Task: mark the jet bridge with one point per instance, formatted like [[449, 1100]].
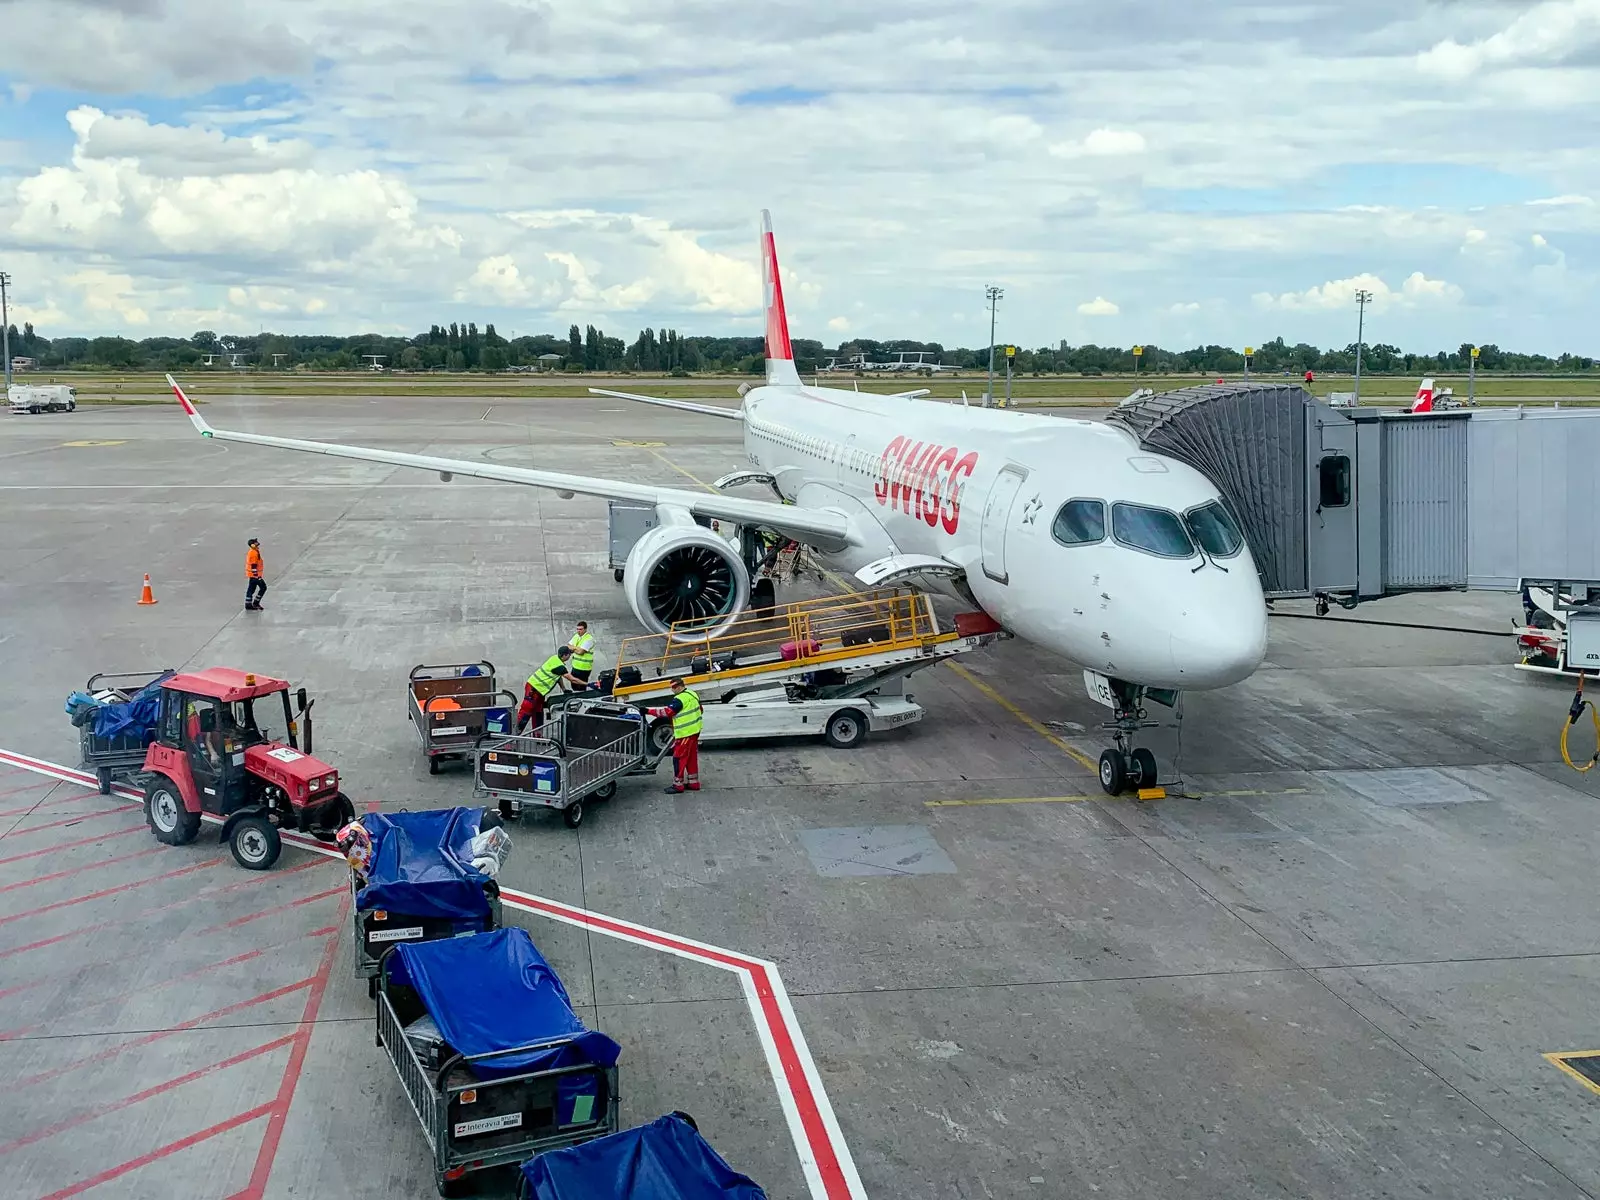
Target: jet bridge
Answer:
[[1354, 504]]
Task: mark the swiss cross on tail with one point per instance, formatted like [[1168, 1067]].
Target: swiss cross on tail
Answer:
[[780, 354]]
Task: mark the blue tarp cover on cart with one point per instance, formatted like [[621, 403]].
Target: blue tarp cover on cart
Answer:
[[420, 865], [137, 716], [664, 1160], [494, 991]]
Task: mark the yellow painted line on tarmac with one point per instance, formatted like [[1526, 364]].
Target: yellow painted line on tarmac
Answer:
[[648, 447], [1560, 1060], [1072, 752], [90, 443], [1255, 792], [1007, 800], [641, 445]]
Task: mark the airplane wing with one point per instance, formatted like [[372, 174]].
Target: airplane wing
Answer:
[[705, 410], [816, 527]]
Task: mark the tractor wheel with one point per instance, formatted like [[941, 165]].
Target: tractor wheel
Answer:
[[255, 843], [332, 818], [164, 812]]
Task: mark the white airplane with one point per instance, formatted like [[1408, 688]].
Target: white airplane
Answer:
[[1067, 533], [1430, 398]]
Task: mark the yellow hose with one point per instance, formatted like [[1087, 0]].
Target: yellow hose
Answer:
[[1573, 715]]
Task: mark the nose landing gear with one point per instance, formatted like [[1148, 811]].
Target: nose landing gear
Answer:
[[1127, 767]]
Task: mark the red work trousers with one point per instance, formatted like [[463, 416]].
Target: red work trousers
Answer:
[[686, 763], [531, 709]]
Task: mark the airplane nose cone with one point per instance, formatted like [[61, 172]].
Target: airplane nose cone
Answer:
[[1216, 649]]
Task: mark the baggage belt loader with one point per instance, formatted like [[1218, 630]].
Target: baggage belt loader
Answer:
[[834, 667]]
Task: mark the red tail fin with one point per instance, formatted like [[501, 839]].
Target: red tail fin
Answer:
[[780, 353]]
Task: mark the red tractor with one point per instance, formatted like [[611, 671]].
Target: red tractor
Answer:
[[210, 756]]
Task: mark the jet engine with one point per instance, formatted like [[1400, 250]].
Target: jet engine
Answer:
[[681, 571]]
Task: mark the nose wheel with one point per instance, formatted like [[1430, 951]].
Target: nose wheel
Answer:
[[1126, 767]]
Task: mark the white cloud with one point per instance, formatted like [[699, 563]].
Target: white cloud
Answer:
[[107, 293], [1416, 289], [839, 324], [1544, 33], [1566, 201], [1538, 240], [1184, 307], [1098, 307], [167, 150], [1102, 143], [499, 278], [1473, 236]]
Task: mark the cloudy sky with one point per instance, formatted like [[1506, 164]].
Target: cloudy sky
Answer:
[[1165, 172]]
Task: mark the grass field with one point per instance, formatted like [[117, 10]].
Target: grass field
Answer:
[[108, 388]]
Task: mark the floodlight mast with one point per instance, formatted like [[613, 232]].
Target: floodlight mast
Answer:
[[1363, 298], [994, 295], [5, 328]]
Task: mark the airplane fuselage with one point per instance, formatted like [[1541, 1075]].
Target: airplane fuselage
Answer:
[[983, 489]]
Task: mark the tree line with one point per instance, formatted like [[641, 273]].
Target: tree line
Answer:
[[458, 347]]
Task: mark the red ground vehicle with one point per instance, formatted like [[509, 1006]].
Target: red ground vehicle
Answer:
[[211, 756]]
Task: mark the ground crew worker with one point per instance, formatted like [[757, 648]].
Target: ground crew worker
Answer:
[[551, 672], [255, 577], [582, 645], [687, 720]]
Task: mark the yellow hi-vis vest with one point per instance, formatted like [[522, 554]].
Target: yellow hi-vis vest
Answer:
[[687, 722], [544, 678], [582, 652]]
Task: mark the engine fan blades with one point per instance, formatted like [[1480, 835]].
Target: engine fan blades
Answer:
[[691, 584]]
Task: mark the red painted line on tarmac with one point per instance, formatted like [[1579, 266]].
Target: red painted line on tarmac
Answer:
[[74, 820], [93, 866], [112, 1106], [193, 898], [273, 911], [94, 795], [145, 1040], [99, 837], [270, 1141], [11, 1035], [111, 891], [144, 1160]]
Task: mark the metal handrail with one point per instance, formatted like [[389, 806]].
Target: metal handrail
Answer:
[[456, 668], [908, 616]]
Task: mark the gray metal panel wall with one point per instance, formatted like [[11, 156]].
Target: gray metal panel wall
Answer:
[[1425, 501], [1369, 509], [1535, 492]]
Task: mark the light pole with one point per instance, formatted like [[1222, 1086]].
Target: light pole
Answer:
[[1472, 377], [1362, 297], [5, 330], [993, 294]]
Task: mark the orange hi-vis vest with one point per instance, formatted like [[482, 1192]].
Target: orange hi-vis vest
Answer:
[[252, 563]]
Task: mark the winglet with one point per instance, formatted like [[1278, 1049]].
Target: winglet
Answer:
[[780, 352], [195, 418]]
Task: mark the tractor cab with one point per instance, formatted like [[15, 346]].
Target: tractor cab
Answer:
[[213, 753]]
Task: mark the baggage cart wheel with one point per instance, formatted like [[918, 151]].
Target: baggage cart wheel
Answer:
[[572, 814], [1142, 768], [433, 764], [453, 1187], [605, 791], [372, 994], [846, 729], [102, 776], [164, 812], [255, 843], [1113, 772], [661, 738]]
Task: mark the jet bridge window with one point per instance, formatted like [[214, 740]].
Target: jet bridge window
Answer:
[[1080, 523], [1153, 530], [1214, 528], [1333, 475]]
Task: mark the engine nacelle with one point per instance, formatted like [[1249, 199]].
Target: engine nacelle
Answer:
[[684, 572]]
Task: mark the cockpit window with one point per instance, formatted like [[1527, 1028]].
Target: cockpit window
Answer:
[[1080, 522], [1214, 528], [1153, 530]]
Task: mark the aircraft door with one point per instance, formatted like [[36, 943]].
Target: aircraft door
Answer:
[[996, 519], [1331, 505]]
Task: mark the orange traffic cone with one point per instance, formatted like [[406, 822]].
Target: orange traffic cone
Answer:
[[147, 596]]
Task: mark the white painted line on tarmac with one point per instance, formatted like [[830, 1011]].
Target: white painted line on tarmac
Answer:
[[825, 1158]]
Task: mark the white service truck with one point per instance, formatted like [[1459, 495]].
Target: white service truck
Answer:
[[37, 398]]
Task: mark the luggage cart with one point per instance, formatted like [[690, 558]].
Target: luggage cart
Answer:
[[579, 754], [454, 704], [419, 886], [494, 1061], [682, 1164], [121, 754]]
